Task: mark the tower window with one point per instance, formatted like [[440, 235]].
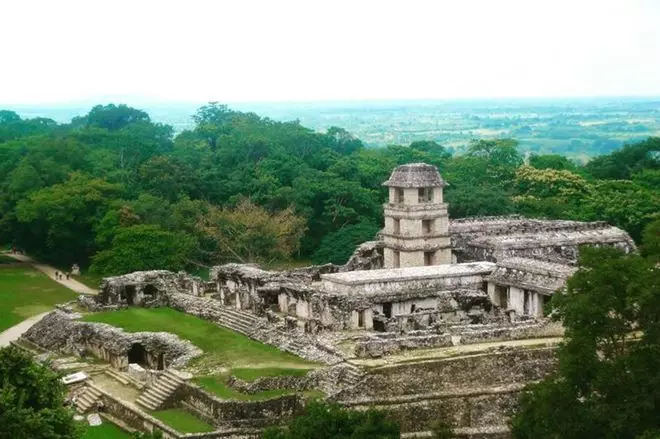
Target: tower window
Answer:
[[396, 259], [398, 196], [425, 194], [427, 227], [396, 226], [428, 258]]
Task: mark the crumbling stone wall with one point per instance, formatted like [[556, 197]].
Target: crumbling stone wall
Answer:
[[500, 368], [60, 332], [224, 413]]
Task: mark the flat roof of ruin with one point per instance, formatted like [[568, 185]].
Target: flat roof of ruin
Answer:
[[409, 273], [553, 238], [537, 266]]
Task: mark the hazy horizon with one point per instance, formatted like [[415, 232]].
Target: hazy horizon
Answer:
[[290, 51]]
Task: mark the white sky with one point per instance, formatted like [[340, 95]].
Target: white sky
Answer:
[[286, 50]]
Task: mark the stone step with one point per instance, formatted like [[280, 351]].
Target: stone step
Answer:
[[238, 320], [240, 314], [148, 402], [117, 376]]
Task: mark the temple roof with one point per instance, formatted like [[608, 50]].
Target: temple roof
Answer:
[[415, 175]]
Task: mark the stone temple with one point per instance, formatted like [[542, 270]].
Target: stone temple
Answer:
[[435, 318]]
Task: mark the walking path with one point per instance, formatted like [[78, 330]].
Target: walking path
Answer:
[[50, 272], [16, 331]]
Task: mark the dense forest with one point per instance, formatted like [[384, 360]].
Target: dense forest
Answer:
[[114, 191]]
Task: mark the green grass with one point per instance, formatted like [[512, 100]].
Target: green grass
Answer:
[[4, 259], [221, 346], [217, 386], [107, 430], [91, 280], [182, 421], [25, 292], [251, 374]]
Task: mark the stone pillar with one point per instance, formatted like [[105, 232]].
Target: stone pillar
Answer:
[[492, 294], [368, 318], [355, 320]]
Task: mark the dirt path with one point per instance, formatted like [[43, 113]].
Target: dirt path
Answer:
[[49, 271], [16, 331]]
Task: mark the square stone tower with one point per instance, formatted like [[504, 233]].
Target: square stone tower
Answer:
[[416, 229]]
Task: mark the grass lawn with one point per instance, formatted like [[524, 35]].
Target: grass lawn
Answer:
[[251, 374], [25, 292], [221, 346], [107, 430], [4, 259], [216, 385], [182, 421]]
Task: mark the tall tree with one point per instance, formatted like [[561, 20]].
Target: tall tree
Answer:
[[608, 382], [32, 400]]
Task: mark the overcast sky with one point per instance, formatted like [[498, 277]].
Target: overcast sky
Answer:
[[285, 50]]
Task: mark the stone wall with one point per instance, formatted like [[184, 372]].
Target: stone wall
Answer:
[[135, 418], [477, 409], [299, 383], [61, 332], [501, 368], [225, 413]]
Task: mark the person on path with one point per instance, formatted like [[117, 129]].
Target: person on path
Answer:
[[57, 275], [68, 275]]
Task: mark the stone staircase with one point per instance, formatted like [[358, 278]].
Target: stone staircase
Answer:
[[87, 399], [239, 321], [352, 374], [163, 388]]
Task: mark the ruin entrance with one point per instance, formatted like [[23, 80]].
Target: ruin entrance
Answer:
[[137, 354], [161, 362], [387, 309], [150, 291], [128, 294], [502, 296]]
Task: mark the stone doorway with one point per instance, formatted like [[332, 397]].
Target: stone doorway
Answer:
[[150, 292], [161, 362], [138, 354], [128, 294]]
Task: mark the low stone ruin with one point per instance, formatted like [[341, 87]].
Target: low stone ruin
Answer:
[[62, 332]]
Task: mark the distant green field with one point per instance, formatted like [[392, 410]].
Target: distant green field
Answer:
[[25, 292], [221, 346]]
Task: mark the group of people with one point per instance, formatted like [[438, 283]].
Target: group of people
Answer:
[[17, 251], [61, 276]]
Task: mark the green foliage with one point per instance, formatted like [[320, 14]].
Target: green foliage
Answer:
[[551, 161], [330, 421], [607, 382], [143, 247], [650, 247], [337, 247], [621, 164], [68, 190], [31, 400]]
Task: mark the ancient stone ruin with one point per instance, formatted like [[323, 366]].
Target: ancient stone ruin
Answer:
[[429, 319]]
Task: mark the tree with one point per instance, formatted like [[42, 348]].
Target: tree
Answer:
[[112, 117], [212, 121], [58, 221], [650, 248], [337, 247], [330, 421], [144, 247], [249, 233], [551, 161], [32, 400], [608, 380]]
